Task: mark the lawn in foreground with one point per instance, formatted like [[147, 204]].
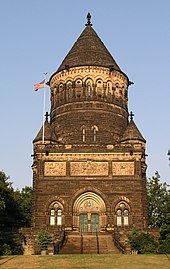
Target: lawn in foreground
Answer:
[[86, 262]]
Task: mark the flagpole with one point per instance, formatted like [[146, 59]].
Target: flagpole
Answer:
[[44, 110]]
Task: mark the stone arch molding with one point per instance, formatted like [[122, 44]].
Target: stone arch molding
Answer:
[[89, 212], [89, 201], [53, 200]]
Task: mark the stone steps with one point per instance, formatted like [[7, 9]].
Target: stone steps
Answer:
[[89, 244]]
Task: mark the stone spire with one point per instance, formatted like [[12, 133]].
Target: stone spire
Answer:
[[88, 50]]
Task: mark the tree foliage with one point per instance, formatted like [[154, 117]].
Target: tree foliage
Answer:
[[15, 212], [165, 236], [23, 199], [142, 242], [158, 201], [44, 239]]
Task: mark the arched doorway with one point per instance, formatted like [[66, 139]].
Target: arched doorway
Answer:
[[89, 213]]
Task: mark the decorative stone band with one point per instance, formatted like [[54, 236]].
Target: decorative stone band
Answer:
[[89, 168]]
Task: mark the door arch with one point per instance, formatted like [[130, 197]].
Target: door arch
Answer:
[[89, 212]]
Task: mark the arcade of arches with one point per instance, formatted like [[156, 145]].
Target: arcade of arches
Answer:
[[90, 214]]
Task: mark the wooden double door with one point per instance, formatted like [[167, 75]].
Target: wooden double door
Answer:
[[89, 222]]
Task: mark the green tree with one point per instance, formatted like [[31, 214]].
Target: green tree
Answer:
[[165, 235], [15, 212], [142, 242], [23, 199], [158, 201], [9, 211], [44, 239]]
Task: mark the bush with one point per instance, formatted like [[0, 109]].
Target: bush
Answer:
[[10, 244], [5, 249], [44, 239], [142, 242], [164, 246]]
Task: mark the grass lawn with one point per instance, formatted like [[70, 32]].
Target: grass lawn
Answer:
[[88, 261]]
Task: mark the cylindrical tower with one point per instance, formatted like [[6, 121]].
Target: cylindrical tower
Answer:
[[89, 94]]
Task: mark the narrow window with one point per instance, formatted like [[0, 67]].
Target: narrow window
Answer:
[[95, 129], [59, 217], [69, 85], [89, 89], [108, 89], [52, 217], [119, 217], [84, 134], [94, 134], [126, 218]]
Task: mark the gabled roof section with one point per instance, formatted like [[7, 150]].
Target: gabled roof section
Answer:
[[132, 133], [88, 50]]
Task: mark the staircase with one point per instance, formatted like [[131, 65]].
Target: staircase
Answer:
[[72, 244], [89, 243]]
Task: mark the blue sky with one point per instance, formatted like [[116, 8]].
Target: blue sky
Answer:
[[35, 37]]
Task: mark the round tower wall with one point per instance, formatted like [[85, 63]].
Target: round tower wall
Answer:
[[89, 104]]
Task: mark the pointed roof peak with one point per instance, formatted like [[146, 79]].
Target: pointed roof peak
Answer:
[[88, 50], [132, 132]]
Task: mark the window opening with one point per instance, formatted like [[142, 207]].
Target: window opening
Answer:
[[122, 215], [59, 217], [95, 129], [89, 89], [52, 217], [84, 134]]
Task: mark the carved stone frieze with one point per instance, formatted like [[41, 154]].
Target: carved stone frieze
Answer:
[[89, 168], [54, 168], [123, 168]]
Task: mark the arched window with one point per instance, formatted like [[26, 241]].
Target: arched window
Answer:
[[109, 86], [126, 217], [95, 130], [78, 88], [52, 217], [99, 88], [59, 217], [117, 85], [88, 88], [55, 213], [84, 134], [119, 217], [69, 87], [61, 86], [122, 214]]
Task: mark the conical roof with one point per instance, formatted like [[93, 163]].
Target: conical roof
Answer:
[[47, 133], [88, 50], [132, 133]]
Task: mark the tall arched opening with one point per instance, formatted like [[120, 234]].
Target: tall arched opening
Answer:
[[89, 213]]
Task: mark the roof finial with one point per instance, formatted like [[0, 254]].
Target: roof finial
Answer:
[[131, 115], [46, 116], [89, 19]]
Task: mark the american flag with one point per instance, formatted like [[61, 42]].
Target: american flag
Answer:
[[39, 85]]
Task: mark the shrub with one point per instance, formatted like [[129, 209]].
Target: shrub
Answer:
[[44, 239], [142, 242], [164, 246], [10, 244]]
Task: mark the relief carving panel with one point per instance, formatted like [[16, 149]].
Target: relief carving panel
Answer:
[[123, 168], [89, 168], [54, 168]]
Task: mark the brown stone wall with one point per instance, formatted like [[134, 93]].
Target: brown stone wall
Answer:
[[64, 176]]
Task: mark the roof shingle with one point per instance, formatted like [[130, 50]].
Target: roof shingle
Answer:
[[88, 50]]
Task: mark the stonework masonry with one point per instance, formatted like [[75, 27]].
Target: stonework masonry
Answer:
[[90, 174]]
